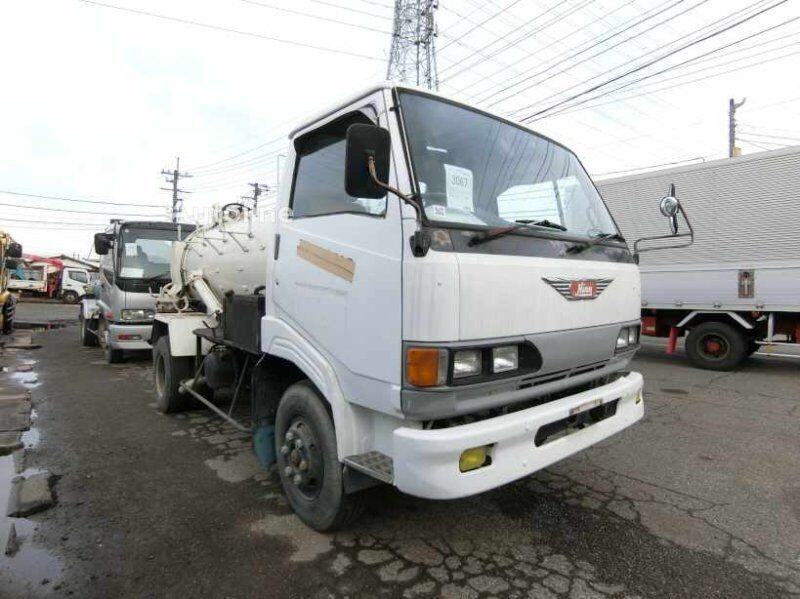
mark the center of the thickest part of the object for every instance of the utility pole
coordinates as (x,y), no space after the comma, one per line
(732,106)
(258,188)
(173,177)
(412,57)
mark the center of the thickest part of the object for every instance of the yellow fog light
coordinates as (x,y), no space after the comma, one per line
(474,458)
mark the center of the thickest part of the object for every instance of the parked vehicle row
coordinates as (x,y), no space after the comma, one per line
(10,252)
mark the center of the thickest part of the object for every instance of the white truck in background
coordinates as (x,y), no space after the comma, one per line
(737,289)
(442,302)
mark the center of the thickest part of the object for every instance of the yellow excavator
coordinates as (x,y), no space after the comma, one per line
(10,250)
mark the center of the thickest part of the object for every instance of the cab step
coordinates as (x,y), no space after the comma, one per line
(374,464)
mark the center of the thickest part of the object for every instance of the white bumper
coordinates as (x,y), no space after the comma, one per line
(426,461)
(129,336)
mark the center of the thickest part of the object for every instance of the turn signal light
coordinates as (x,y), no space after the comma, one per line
(426,366)
(473,458)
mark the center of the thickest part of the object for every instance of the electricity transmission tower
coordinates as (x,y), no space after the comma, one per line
(412,57)
(173,177)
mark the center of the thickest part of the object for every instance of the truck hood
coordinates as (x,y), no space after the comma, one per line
(521,295)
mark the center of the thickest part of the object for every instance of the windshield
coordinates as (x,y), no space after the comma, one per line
(145,253)
(477,170)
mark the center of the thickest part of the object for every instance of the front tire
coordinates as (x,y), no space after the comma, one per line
(310,471)
(88,338)
(716,346)
(70,297)
(168,372)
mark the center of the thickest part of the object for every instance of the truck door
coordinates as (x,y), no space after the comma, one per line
(337,277)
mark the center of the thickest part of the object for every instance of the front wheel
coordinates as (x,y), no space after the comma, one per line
(310,471)
(716,346)
(70,297)
(87,336)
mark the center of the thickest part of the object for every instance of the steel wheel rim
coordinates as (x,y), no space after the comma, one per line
(301,459)
(714,346)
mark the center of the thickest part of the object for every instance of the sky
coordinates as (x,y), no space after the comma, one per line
(96,101)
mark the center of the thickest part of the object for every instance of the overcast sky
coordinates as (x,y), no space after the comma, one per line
(96,101)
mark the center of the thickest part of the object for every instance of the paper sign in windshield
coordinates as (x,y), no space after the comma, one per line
(130,250)
(459,187)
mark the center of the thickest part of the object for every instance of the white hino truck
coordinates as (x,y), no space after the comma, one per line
(441,301)
(737,289)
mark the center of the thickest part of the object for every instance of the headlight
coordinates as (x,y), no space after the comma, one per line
(466,363)
(622,338)
(137,314)
(628,337)
(505,358)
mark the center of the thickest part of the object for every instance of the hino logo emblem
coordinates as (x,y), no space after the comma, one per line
(578,289)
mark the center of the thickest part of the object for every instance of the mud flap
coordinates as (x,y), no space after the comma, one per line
(264,445)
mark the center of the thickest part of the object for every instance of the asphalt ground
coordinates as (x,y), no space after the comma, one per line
(699,499)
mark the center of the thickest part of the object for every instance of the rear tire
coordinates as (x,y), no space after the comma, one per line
(168,372)
(315,490)
(716,346)
(88,338)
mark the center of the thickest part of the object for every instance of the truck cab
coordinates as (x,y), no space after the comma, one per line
(74,284)
(447,306)
(134,265)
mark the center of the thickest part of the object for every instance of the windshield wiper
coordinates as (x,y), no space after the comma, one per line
(521,224)
(599,238)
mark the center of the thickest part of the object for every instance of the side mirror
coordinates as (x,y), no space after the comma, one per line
(14,250)
(363,142)
(11,264)
(102,243)
(670,207)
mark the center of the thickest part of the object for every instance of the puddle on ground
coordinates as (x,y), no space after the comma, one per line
(29,379)
(31,565)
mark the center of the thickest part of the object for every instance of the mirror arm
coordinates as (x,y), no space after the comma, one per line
(410,200)
(690,235)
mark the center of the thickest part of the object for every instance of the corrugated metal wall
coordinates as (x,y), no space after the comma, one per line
(743,209)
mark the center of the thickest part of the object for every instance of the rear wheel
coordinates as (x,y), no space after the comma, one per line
(310,471)
(168,372)
(716,346)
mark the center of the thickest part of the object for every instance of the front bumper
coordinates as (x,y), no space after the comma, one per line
(426,461)
(135,336)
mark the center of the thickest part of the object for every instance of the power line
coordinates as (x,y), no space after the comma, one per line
(351,9)
(644,19)
(652,62)
(229,30)
(696,60)
(644,168)
(687,82)
(754,134)
(63,199)
(52,222)
(313,16)
(80,211)
(482,23)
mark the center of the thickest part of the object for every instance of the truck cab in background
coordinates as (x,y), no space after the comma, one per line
(74,284)
(442,302)
(134,265)
(10,252)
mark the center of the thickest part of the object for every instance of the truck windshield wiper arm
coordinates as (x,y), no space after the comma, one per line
(599,238)
(520,224)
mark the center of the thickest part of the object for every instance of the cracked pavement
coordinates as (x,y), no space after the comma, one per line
(700,499)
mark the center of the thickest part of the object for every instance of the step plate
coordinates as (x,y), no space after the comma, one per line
(373,463)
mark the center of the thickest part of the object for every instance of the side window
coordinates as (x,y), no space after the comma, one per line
(319,175)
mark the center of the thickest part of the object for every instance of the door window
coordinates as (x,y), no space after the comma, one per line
(319,174)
